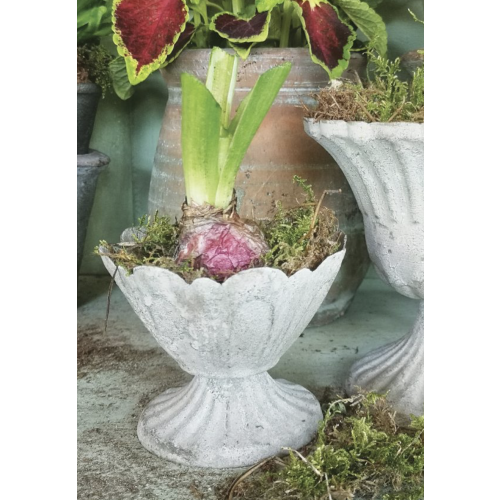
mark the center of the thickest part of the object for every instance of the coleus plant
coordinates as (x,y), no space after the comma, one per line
(212,235)
(150,35)
(93,20)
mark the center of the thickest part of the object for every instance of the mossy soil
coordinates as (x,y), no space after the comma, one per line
(362,450)
(384,98)
(298,238)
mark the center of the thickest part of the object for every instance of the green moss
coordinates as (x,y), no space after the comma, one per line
(156,240)
(93,66)
(387,98)
(384,98)
(360,452)
(296,238)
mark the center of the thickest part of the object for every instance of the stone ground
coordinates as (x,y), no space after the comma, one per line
(121,370)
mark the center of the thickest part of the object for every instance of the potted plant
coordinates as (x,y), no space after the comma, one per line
(376,134)
(93,78)
(203,289)
(275,32)
(93,23)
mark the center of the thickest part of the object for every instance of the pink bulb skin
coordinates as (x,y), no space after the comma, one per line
(222,248)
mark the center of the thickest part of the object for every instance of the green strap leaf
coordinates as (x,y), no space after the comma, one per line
(368,21)
(201,117)
(244,126)
(221,80)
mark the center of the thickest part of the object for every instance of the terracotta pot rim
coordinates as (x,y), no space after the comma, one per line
(302,54)
(265,50)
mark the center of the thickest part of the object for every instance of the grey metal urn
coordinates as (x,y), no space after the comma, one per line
(89,167)
(384,165)
(227,335)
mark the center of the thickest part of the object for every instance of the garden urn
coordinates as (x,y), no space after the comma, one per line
(232,413)
(384,164)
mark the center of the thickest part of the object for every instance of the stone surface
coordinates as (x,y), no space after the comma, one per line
(401,363)
(89,168)
(227,335)
(229,421)
(384,164)
(121,369)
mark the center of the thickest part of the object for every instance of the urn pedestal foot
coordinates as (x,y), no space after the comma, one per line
(228,422)
(397,368)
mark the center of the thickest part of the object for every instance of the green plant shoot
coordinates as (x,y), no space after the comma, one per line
(93,20)
(213,145)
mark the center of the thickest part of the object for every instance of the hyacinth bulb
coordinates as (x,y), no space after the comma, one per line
(220,244)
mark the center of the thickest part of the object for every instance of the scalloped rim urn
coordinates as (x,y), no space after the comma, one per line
(384,165)
(232,413)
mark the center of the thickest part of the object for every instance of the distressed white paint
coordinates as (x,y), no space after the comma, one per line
(228,335)
(384,165)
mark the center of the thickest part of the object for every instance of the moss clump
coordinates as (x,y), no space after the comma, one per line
(155,244)
(298,238)
(360,452)
(301,237)
(385,98)
(93,66)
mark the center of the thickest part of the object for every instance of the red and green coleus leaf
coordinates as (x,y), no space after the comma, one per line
(330,40)
(181,44)
(242,30)
(146,32)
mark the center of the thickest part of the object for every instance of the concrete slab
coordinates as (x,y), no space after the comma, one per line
(121,370)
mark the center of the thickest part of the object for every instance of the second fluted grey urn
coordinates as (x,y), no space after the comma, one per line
(384,165)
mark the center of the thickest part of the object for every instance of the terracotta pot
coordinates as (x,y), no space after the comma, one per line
(279,150)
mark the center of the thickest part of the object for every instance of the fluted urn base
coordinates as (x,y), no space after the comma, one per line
(397,368)
(228,422)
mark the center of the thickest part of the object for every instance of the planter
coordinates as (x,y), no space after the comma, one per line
(89,95)
(227,335)
(275,155)
(89,167)
(384,163)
